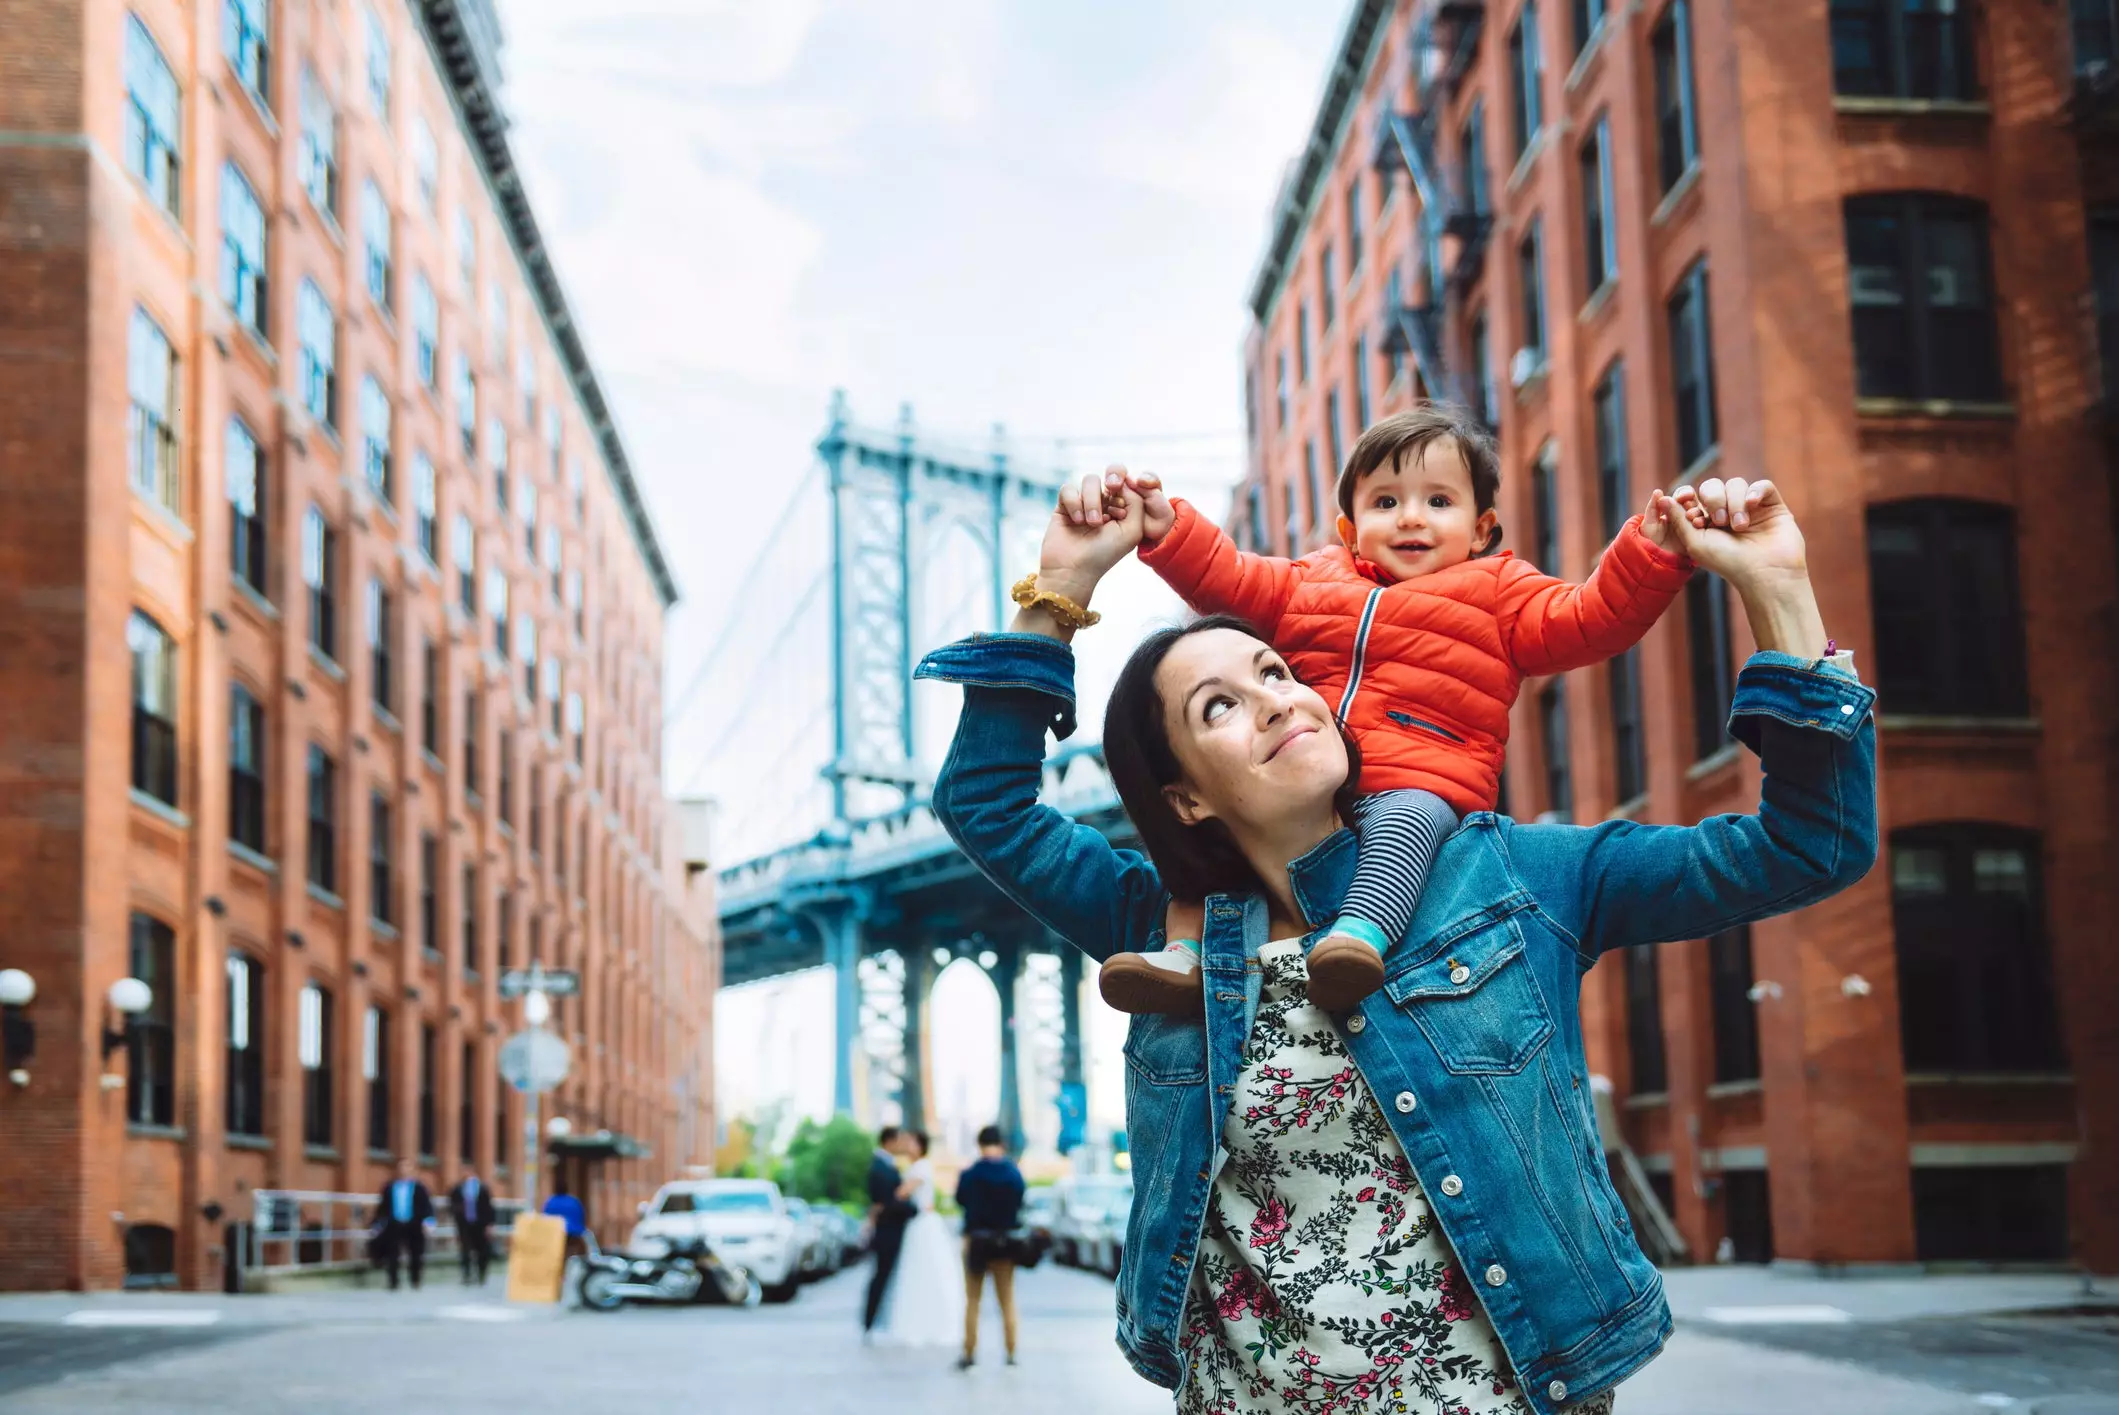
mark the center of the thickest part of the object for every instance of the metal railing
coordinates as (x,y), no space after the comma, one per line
(314,1230)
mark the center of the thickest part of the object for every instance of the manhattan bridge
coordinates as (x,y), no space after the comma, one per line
(924,539)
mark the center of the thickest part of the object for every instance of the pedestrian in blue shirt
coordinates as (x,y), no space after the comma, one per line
(990,1192)
(566,1207)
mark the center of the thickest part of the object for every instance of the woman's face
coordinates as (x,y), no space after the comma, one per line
(1256,747)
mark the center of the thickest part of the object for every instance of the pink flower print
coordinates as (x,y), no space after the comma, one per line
(1456,1297)
(1271,1224)
(1365,1195)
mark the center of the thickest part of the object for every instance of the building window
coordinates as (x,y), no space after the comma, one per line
(466,403)
(1924,319)
(1471,179)
(1692,366)
(316,165)
(1327,286)
(574,724)
(526,384)
(497,453)
(1309,480)
(246,769)
(1949,626)
(1747,1214)
(1291,519)
(426,165)
(154,128)
(497,324)
(1302,344)
(378,67)
(529,517)
(504,771)
(316,328)
(246,41)
(1991,1214)
(578,485)
(1483,373)
(1644,1022)
(376,241)
(1526,64)
(466,1125)
(1902,49)
(244,463)
(1600,233)
(1628,748)
(553,557)
(151,382)
(497,606)
(154,708)
(471,743)
(1559,781)
(320,574)
(381,662)
(242,250)
(1355,234)
(1677,138)
(536,809)
(1713,662)
(574,603)
(1729,978)
(469,920)
(1333,459)
(1280,389)
(466,257)
(500,1127)
(375,1071)
(1975,981)
(375,440)
(504,931)
(1544,515)
(323,820)
(429,882)
(1614,497)
(1530,274)
(1361,385)
(426,508)
(429,696)
(552,438)
(314,1047)
(245,1113)
(151,1036)
(551,689)
(1588,17)
(426,330)
(426,1089)
(466,554)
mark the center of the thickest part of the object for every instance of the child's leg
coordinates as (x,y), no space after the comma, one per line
(1400,832)
(1166,982)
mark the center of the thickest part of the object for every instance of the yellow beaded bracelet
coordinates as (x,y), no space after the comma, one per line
(1070,615)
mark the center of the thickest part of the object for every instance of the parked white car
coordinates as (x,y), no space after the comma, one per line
(1089,1221)
(821,1243)
(746,1220)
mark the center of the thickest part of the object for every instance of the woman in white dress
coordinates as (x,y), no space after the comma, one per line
(925,1303)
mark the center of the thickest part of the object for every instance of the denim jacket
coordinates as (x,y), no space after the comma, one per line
(1474,1045)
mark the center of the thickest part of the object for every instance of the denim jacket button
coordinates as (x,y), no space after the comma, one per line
(1452,1185)
(1405,1102)
(1357,1023)
(1557,1390)
(1496,1275)
(1459,974)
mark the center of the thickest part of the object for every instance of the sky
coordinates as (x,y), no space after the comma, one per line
(1035,215)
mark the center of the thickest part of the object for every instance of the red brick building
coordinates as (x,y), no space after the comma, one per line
(331,640)
(1850,247)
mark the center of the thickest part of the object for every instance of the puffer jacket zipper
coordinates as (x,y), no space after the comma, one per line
(1361,655)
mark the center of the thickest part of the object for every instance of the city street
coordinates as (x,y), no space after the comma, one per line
(1902,1350)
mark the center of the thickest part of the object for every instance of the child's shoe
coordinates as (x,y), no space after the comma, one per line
(1344,968)
(1164,984)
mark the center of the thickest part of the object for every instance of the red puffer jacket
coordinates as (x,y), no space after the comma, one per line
(1425,670)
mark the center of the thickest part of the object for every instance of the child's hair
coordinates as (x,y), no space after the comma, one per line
(1409,434)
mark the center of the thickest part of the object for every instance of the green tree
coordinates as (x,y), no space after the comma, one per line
(827,1162)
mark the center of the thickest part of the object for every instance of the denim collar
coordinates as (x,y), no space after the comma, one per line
(1322,875)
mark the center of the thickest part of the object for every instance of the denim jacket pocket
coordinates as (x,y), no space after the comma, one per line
(1167,1051)
(1477,1002)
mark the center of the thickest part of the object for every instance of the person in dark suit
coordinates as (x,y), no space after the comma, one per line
(472,1204)
(889,1211)
(403,1212)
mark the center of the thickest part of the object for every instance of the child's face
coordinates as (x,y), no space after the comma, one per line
(1417,516)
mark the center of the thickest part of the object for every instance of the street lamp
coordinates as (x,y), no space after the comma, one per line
(942,956)
(988,959)
(18,1035)
(128,998)
(536,1008)
(559,1127)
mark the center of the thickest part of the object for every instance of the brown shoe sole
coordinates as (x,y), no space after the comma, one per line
(1133,985)
(1343,971)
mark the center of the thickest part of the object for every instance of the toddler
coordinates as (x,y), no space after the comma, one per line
(1421,635)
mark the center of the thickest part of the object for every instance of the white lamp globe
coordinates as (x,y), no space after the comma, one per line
(559,1127)
(942,957)
(17,988)
(536,1008)
(988,959)
(130,996)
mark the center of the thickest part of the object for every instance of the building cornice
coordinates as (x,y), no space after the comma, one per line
(471,76)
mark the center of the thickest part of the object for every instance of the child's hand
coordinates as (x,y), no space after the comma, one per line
(1656,524)
(1688,499)
(1186,918)
(1160,516)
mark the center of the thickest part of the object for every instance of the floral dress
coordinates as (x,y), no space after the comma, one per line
(1324,1284)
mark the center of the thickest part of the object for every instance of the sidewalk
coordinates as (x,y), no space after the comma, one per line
(1742,1295)
(441,1299)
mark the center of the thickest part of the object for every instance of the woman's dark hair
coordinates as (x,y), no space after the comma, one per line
(1194,860)
(920,1138)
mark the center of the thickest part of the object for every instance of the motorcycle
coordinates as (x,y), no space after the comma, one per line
(686,1271)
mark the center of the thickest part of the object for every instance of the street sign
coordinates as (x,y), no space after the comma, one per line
(557,982)
(535,1060)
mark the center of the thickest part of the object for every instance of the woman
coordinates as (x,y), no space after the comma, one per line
(925,1303)
(1405,1208)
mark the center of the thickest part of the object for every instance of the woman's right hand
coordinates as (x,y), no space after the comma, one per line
(1094,526)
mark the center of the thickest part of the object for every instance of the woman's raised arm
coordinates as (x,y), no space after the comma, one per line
(1809,720)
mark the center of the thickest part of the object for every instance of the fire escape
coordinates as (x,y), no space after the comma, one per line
(1454,206)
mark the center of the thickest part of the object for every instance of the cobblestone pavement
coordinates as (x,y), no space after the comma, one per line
(466,1353)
